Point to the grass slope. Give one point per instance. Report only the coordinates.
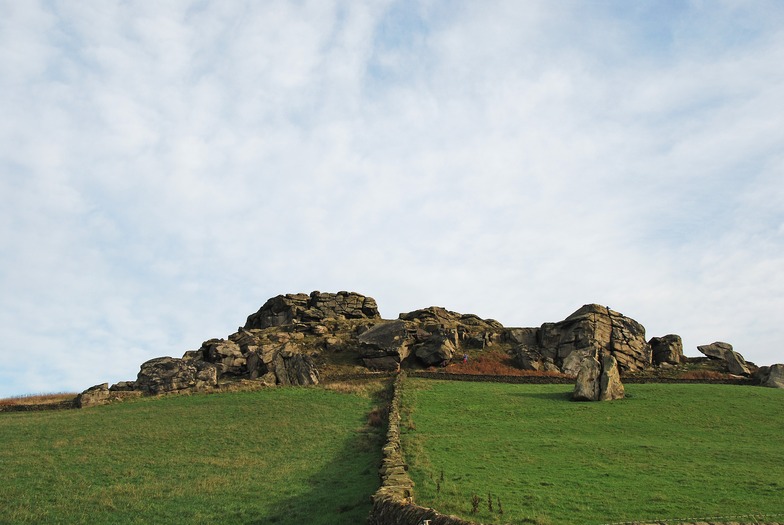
(285, 456)
(665, 452)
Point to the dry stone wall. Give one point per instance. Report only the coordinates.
(393, 503)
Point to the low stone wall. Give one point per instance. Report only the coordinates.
(62, 405)
(548, 380)
(479, 378)
(393, 503)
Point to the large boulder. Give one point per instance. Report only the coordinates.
(667, 349)
(586, 388)
(598, 380)
(436, 350)
(771, 376)
(594, 330)
(169, 374)
(610, 386)
(724, 352)
(384, 346)
(302, 308)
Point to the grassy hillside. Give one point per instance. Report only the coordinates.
(285, 456)
(667, 451)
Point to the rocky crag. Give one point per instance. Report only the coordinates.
(299, 339)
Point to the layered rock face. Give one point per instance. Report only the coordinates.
(667, 349)
(589, 332)
(302, 308)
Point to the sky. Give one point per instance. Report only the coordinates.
(166, 167)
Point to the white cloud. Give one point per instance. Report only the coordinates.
(168, 167)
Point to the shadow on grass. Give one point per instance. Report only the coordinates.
(340, 492)
(548, 396)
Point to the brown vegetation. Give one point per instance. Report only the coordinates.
(705, 374)
(37, 399)
(494, 362)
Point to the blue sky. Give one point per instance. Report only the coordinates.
(166, 167)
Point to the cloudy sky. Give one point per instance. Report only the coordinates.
(166, 167)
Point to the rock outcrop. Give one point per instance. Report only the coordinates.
(724, 352)
(432, 335)
(169, 374)
(94, 396)
(302, 308)
(103, 394)
(598, 380)
(294, 339)
(667, 350)
(771, 376)
(590, 331)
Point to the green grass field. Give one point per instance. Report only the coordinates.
(282, 456)
(665, 452)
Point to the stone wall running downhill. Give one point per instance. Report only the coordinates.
(393, 503)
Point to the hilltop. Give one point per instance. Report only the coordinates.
(303, 339)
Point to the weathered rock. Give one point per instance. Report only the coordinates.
(384, 346)
(435, 351)
(610, 386)
(436, 334)
(123, 386)
(254, 364)
(586, 388)
(723, 351)
(572, 362)
(667, 349)
(302, 308)
(590, 331)
(528, 337)
(771, 376)
(94, 396)
(169, 374)
(435, 319)
(300, 370)
(598, 380)
(526, 358)
(291, 366)
(226, 355)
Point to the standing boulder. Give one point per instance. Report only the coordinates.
(598, 380)
(723, 351)
(610, 386)
(667, 349)
(587, 386)
(771, 376)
